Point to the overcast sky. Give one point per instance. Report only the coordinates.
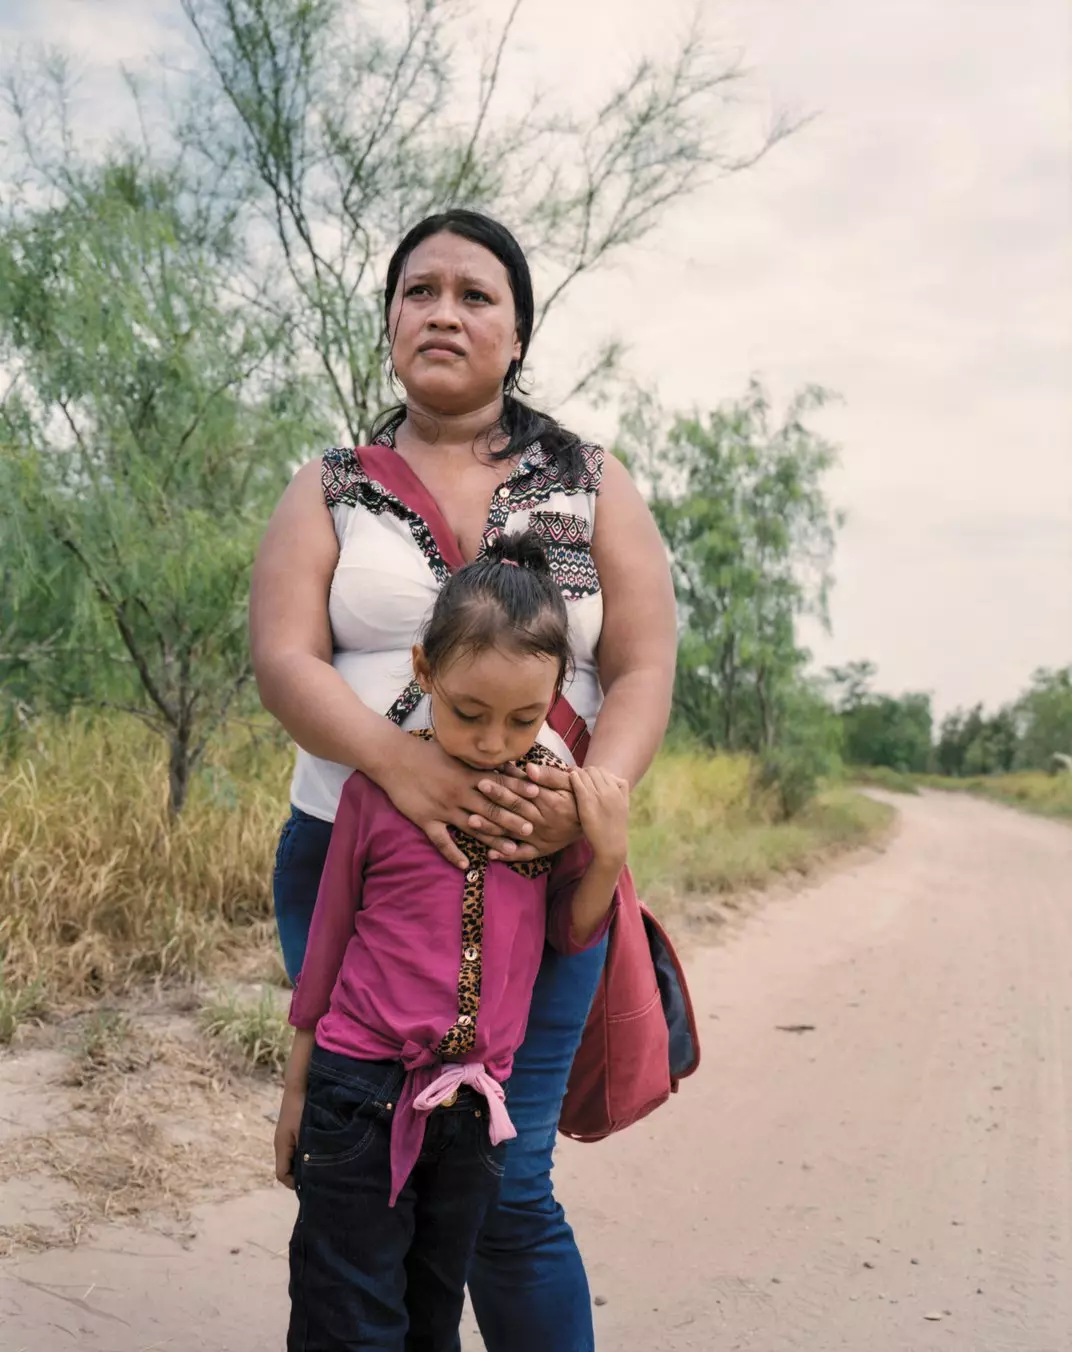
(910, 249)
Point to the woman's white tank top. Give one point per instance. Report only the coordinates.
(390, 569)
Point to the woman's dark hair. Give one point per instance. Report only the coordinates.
(520, 423)
(507, 598)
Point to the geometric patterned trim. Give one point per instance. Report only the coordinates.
(567, 541)
(536, 478)
(561, 528)
(345, 481)
(405, 704)
(526, 488)
(567, 537)
(541, 477)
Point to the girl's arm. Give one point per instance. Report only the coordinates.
(288, 1124)
(291, 644)
(582, 898)
(338, 900)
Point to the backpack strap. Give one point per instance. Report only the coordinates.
(571, 727)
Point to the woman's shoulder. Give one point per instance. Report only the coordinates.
(563, 465)
(591, 458)
(342, 476)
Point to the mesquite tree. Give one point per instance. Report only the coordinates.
(336, 131)
(144, 434)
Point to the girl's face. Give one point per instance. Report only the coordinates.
(452, 325)
(488, 706)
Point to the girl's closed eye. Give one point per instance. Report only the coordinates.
(465, 718)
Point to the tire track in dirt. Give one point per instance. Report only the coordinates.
(911, 1155)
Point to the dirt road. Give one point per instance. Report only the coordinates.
(894, 1176)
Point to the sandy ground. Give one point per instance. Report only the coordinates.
(893, 1175)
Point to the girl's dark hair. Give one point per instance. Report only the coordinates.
(506, 598)
(520, 423)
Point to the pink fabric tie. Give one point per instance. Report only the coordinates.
(473, 1073)
(429, 1083)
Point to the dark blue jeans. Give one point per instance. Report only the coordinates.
(527, 1282)
(365, 1276)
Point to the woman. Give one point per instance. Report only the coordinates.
(344, 579)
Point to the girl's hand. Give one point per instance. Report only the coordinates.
(434, 792)
(603, 804)
(286, 1134)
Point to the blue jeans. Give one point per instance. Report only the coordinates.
(527, 1282)
(366, 1276)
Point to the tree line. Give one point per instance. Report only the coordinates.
(188, 312)
(1032, 732)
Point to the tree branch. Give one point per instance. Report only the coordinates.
(118, 611)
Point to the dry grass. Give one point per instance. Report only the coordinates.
(17, 1006)
(882, 777)
(99, 890)
(699, 828)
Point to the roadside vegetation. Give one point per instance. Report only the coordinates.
(102, 891)
(1049, 795)
(1021, 754)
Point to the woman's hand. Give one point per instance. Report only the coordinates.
(552, 813)
(435, 791)
(286, 1134)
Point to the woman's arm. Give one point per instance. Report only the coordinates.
(638, 646)
(290, 637)
(637, 654)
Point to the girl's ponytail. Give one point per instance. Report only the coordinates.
(522, 550)
(506, 598)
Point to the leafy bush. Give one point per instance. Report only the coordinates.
(257, 1031)
(807, 752)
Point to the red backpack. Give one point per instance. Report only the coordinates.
(641, 1037)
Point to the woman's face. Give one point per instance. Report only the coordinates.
(453, 326)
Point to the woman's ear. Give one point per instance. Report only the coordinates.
(422, 672)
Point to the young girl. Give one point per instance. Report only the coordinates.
(417, 983)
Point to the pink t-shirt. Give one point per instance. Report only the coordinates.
(411, 959)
